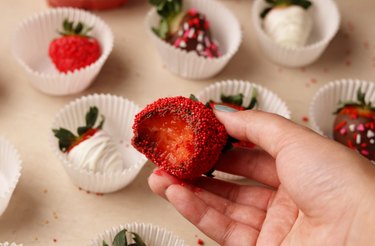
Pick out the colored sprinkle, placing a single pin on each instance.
(340, 125)
(372, 141)
(370, 134)
(352, 127)
(350, 144)
(358, 139)
(361, 127)
(343, 131)
(364, 145)
(305, 119)
(365, 152)
(200, 242)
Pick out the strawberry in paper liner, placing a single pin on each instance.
(75, 49)
(354, 126)
(288, 22)
(188, 30)
(92, 149)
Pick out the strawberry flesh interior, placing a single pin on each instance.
(172, 137)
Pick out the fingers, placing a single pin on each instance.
(254, 196)
(214, 224)
(254, 164)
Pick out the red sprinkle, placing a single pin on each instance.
(350, 144)
(305, 119)
(200, 242)
(340, 125)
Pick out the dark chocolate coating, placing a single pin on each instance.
(193, 34)
(356, 132)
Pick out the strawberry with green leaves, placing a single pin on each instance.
(288, 22)
(75, 49)
(354, 126)
(126, 238)
(180, 135)
(92, 148)
(186, 30)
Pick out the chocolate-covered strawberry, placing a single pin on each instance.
(180, 135)
(189, 31)
(354, 126)
(75, 49)
(287, 22)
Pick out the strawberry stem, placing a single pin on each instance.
(284, 3)
(70, 28)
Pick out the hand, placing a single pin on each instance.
(315, 191)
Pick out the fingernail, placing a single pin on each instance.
(223, 108)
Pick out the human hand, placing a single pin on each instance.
(315, 191)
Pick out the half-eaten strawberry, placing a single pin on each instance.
(354, 126)
(180, 135)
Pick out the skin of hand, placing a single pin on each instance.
(313, 190)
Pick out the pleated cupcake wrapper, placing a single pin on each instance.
(152, 235)
(327, 100)
(119, 115)
(10, 170)
(31, 43)
(267, 101)
(225, 29)
(10, 244)
(326, 22)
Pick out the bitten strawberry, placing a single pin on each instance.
(287, 22)
(354, 126)
(180, 135)
(92, 149)
(74, 49)
(188, 30)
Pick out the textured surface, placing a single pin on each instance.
(46, 206)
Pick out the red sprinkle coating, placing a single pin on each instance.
(199, 144)
(69, 53)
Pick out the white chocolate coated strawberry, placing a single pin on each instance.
(99, 153)
(288, 26)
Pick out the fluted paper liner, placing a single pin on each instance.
(10, 244)
(267, 101)
(326, 101)
(152, 235)
(225, 30)
(119, 115)
(10, 172)
(326, 22)
(31, 43)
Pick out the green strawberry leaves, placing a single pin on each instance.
(360, 103)
(121, 239)
(67, 138)
(70, 28)
(167, 10)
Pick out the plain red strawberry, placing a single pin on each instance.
(67, 140)
(181, 136)
(74, 49)
(354, 126)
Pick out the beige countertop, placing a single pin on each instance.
(46, 206)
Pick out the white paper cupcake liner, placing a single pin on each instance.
(119, 115)
(152, 235)
(326, 101)
(225, 30)
(30, 48)
(326, 22)
(267, 101)
(10, 244)
(10, 172)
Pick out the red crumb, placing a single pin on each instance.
(200, 242)
(55, 240)
(305, 119)
(158, 172)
